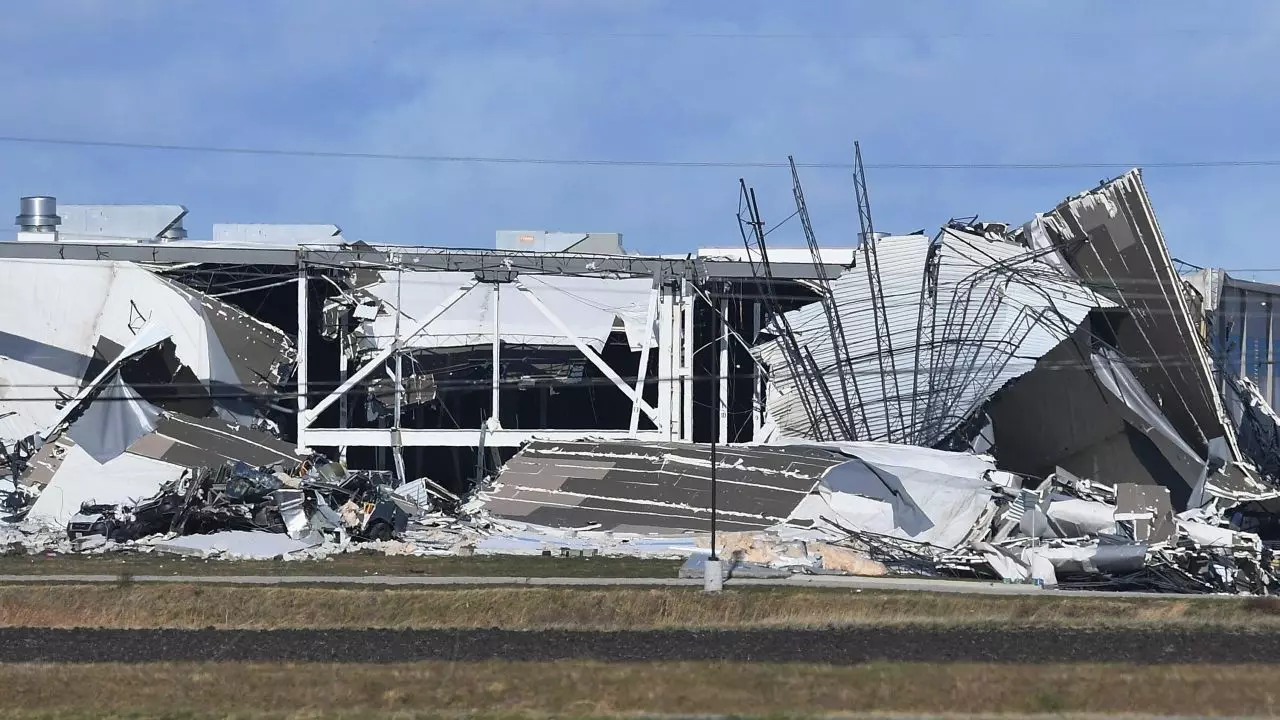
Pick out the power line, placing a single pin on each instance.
(1116, 31)
(970, 36)
(619, 162)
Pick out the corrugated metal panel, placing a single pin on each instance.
(997, 310)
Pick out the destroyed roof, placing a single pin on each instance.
(966, 315)
(1110, 239)
(654, 487)
(76, 316)
(918, 494)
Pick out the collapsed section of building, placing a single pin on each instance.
(1037, 402)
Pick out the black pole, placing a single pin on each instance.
(713, 501)
(715, 404)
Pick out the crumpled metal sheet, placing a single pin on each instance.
(912, 493)
(78, 316)
(1110, 238)
(996, 308)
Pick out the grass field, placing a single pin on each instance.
(139, 606)
(589, 689)
(348, 564)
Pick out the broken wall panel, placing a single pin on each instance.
(78, 315)
(1257, 424)
(656, 488)
(1111, 239)
(257, 354)
(1083, 410)
(77, 478)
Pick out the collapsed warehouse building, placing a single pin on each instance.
(1028, 402)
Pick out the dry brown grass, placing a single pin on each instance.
(344, 565)
(596, 689)
(136, 606)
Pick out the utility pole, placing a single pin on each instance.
(712, 579)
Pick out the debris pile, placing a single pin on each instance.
(1030, 403)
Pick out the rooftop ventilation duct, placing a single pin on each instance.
(38, 213)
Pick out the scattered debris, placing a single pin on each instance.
(1032, 404)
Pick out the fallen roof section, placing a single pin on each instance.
(925, 496)
(79, 316)
(657, 488)
(1110, 239)
(966, 315)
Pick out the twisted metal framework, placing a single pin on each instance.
(805, 377)
(886, 359)
(840, 343)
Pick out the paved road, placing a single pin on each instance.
(815, 581)
(833, 646)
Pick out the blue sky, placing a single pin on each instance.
(932, 82)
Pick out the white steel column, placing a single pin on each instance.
(686, 337)
(666, 369)
(723, 372)
(643, 370)
(496, 379)
(757, 397)
(304, 326)
(343, 410)
(397, 451)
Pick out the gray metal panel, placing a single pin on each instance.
(191, 442)
(602, 243)
(274, 235)
(1112, 240)
(665, 486)
(119, 222)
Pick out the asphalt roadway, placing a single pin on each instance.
(801, 581)
(842, 646)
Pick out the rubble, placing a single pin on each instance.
(1029, 403)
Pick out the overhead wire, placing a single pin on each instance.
(1198, 163)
